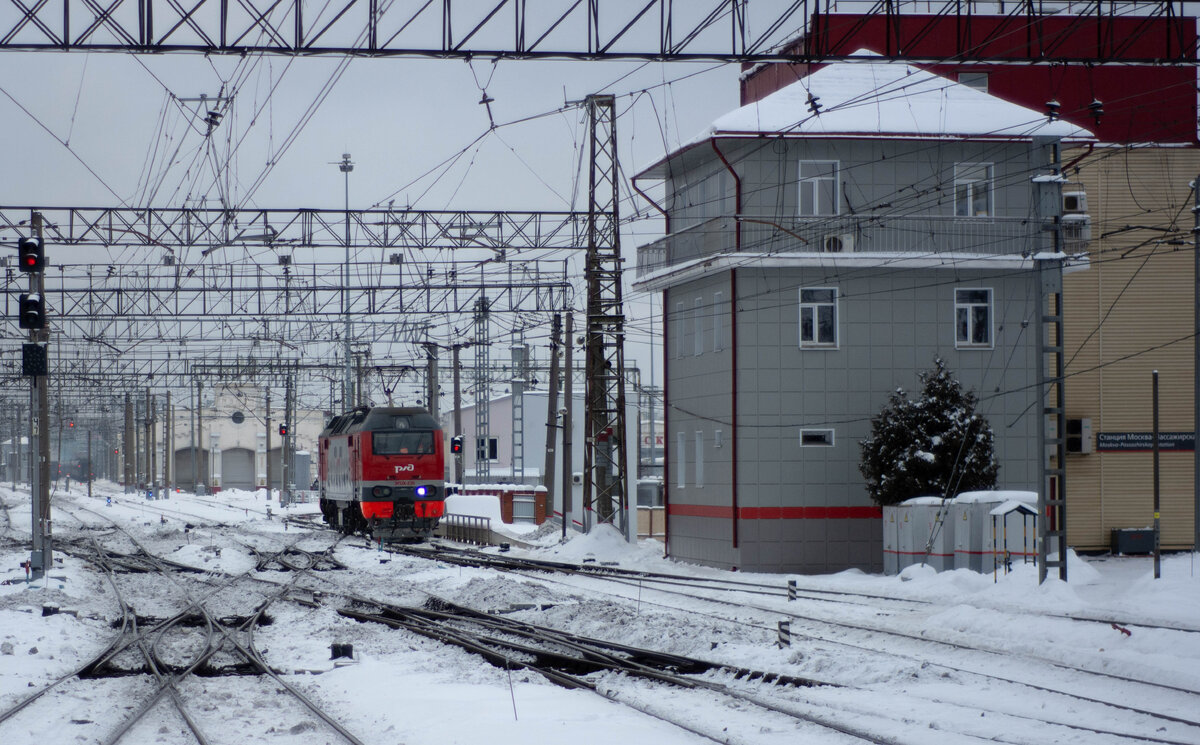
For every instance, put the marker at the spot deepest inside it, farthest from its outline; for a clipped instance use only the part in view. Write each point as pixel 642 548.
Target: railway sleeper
pixel 205 670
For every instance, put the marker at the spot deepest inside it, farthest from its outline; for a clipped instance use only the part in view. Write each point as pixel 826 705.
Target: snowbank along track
pixel 1079 683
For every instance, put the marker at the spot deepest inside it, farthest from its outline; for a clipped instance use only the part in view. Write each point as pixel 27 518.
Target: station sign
pixel 1143 442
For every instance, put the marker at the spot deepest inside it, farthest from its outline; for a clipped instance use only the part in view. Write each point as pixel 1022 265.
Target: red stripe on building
pixel 777 513
pixel 700 510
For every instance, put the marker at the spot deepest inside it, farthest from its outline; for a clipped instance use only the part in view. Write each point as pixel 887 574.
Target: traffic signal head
pixel 456 444
pixel 31 255
pixel 71 423
pixel 283 430
pixel 32 311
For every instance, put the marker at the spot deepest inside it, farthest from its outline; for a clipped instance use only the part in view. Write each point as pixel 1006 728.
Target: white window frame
pixel 698 337
pixel 809 188
pixel 813 309
pixel 976 80
pixel 964 309
pixel 718 438
pixel 718 309
pixel 699 458
pixel 487 449
pixel 827 438
pixel 966 188
pixel 681 457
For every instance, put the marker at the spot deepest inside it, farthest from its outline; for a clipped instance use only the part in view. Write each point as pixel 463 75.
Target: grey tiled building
pixel 823 246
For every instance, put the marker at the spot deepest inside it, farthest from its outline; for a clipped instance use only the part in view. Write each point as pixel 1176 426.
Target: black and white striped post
pixel 791 590
pixel 785 634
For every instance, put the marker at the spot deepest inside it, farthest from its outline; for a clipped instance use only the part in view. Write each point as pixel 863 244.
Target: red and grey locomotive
pixel 382 471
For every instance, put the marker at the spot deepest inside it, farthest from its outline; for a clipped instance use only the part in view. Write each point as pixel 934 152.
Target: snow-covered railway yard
pixel 922 658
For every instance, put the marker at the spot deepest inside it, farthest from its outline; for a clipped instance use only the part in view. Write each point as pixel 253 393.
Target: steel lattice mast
pixel 605 485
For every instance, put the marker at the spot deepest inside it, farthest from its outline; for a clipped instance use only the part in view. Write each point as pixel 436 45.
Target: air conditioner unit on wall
pixel 1079 436
pixel 837 243
pixel 1074 202
pixel 1077 228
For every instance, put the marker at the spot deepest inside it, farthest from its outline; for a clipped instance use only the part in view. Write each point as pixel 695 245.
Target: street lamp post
pixel 349 400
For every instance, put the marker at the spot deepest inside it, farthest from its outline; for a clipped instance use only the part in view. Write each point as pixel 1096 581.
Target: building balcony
pixel 923 235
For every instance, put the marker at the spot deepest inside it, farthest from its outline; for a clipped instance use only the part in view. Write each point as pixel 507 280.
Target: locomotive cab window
pixel 402 443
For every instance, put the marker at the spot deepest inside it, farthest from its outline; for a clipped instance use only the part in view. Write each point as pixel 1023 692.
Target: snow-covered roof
pixel 1012 506
pixel 883 99
pixel 922 501
pixel 970 497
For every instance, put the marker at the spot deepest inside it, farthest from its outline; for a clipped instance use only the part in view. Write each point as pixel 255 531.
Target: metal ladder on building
pixel 483 394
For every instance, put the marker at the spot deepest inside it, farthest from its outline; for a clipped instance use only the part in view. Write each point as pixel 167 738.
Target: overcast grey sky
pixel 95 129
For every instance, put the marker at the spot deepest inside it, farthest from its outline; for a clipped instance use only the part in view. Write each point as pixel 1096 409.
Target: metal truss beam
pixel 106 375
pixel 204 291
pixel 722 30
pixel 283 231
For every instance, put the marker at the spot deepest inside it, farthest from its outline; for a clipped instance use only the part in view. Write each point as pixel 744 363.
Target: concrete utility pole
pixel 267 446
pixel 1052 490
pixel 431 379
pixel 199 472
pixel 151 444
pixel 15 470
pixel 168 443
pixel 552 410
pixel 458 459
pixel 1157 531
pixel 127 445
pixel 568 404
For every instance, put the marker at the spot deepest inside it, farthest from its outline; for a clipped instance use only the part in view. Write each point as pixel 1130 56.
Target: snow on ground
pixel 406 689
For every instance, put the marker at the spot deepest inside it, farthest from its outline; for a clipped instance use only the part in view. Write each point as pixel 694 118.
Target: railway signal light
pixel 32 254
pixel 34 361
pixel 456 444
pixel 283 430
pixel 32 311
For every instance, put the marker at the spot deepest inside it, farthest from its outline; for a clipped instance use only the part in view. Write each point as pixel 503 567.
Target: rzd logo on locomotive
pixel 406 467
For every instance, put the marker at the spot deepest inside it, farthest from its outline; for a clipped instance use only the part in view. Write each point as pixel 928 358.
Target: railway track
pixel 1104 695
pixel 151 665
pixel 574 661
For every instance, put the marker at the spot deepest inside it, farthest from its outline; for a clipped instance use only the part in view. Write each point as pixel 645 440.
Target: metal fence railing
pixel 467 529
pixel 844 234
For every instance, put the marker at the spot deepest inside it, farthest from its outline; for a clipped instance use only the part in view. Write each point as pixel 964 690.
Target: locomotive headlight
pixel 422 491
pixel 381 491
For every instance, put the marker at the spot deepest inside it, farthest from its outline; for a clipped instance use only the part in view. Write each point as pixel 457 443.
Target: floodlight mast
pixel 349 400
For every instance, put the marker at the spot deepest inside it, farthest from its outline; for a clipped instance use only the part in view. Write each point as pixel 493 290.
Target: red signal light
pixel 32 254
